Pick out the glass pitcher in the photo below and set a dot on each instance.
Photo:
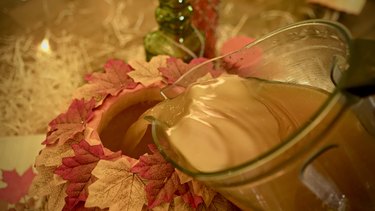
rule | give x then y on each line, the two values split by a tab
326	161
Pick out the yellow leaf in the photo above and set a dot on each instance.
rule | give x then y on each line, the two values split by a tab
43	182
180	205
184	178
162	207
147	73
116	188
52	155
205	192
56	200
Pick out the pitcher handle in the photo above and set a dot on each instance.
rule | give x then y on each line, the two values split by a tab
359	80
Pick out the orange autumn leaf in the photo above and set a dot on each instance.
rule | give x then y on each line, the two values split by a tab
116	188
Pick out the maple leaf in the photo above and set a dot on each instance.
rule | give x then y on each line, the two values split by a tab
147	73
52	155
77	171
153	167
56	197
163	207
206	193
162	191
67	125
43	182
163	181
243	61
205	18
184	178
17	185
235	44
175	68
116	188
180	205
111	82
188	195
218	203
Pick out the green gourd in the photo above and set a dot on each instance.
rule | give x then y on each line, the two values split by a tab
176	36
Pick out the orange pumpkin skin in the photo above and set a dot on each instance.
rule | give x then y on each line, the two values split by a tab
117	113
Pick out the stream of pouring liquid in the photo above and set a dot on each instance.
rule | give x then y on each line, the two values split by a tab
230	120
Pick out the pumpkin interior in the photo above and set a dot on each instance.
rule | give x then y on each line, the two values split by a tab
117	119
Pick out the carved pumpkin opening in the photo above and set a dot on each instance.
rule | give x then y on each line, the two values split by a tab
120	115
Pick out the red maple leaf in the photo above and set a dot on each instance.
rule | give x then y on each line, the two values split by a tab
176	68
67	125
163	181
77	171
188	195
206	18
243	61
161	191
17	185
235	44
111	82
153	167
114	79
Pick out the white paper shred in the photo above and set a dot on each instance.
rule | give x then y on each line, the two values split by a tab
38	77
